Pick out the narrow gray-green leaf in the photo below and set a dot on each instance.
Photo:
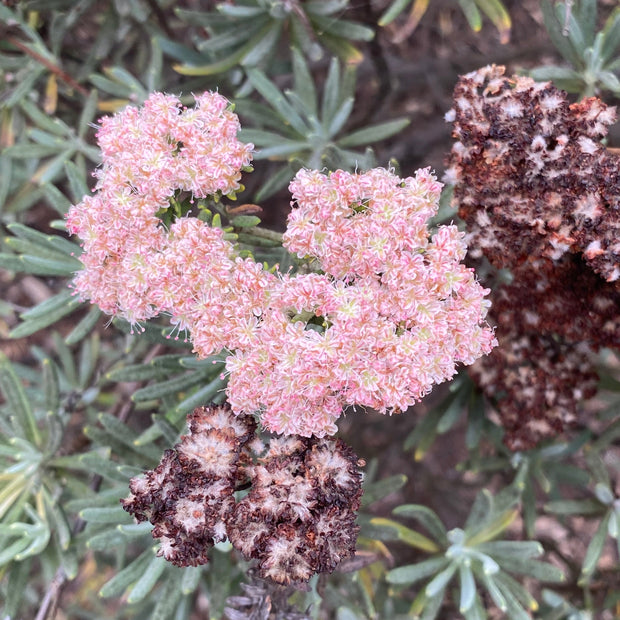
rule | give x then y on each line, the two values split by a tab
413	573
147	580
374	133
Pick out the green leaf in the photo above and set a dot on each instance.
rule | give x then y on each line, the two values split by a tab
440	581
516	596
471	14
555	30
58	522
468	588
489	583
260	137
277	101
44	121
77	184
15	397
454	410
84	327
40	321
56	199
52	243
396	531
611	36
393	11
169	387
520	549
106	540
21	246
125	577
325	7
595	548
8	554
126	436
332	95
16	585
147	580
340	117
427	518
263	48
585	14
575	32
480	511
31	151
412	573
304	82
274	183
191	579
226	63
93	461
498	14
375	491
50	305
168	599
108	514
47	267
202	396
374	133
245	221
136	372
342	28
51	386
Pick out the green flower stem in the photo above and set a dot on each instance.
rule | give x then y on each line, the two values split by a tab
264	233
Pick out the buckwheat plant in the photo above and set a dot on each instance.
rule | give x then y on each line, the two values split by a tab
379	311
385	312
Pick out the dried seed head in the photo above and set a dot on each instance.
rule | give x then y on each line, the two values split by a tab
537	382
188	496
299	517
541	196
530	160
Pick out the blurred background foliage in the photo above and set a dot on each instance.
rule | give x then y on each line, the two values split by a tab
453	524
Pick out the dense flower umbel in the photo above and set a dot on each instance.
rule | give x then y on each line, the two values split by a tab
541	196
134	266
298	518
390	313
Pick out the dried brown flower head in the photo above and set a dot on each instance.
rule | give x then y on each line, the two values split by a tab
189	495
297	519
540	195
537	382
531	176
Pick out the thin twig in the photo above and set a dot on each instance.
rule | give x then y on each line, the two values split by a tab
56	70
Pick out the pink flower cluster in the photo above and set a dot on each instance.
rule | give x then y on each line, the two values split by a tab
389	315
388	312
133	266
